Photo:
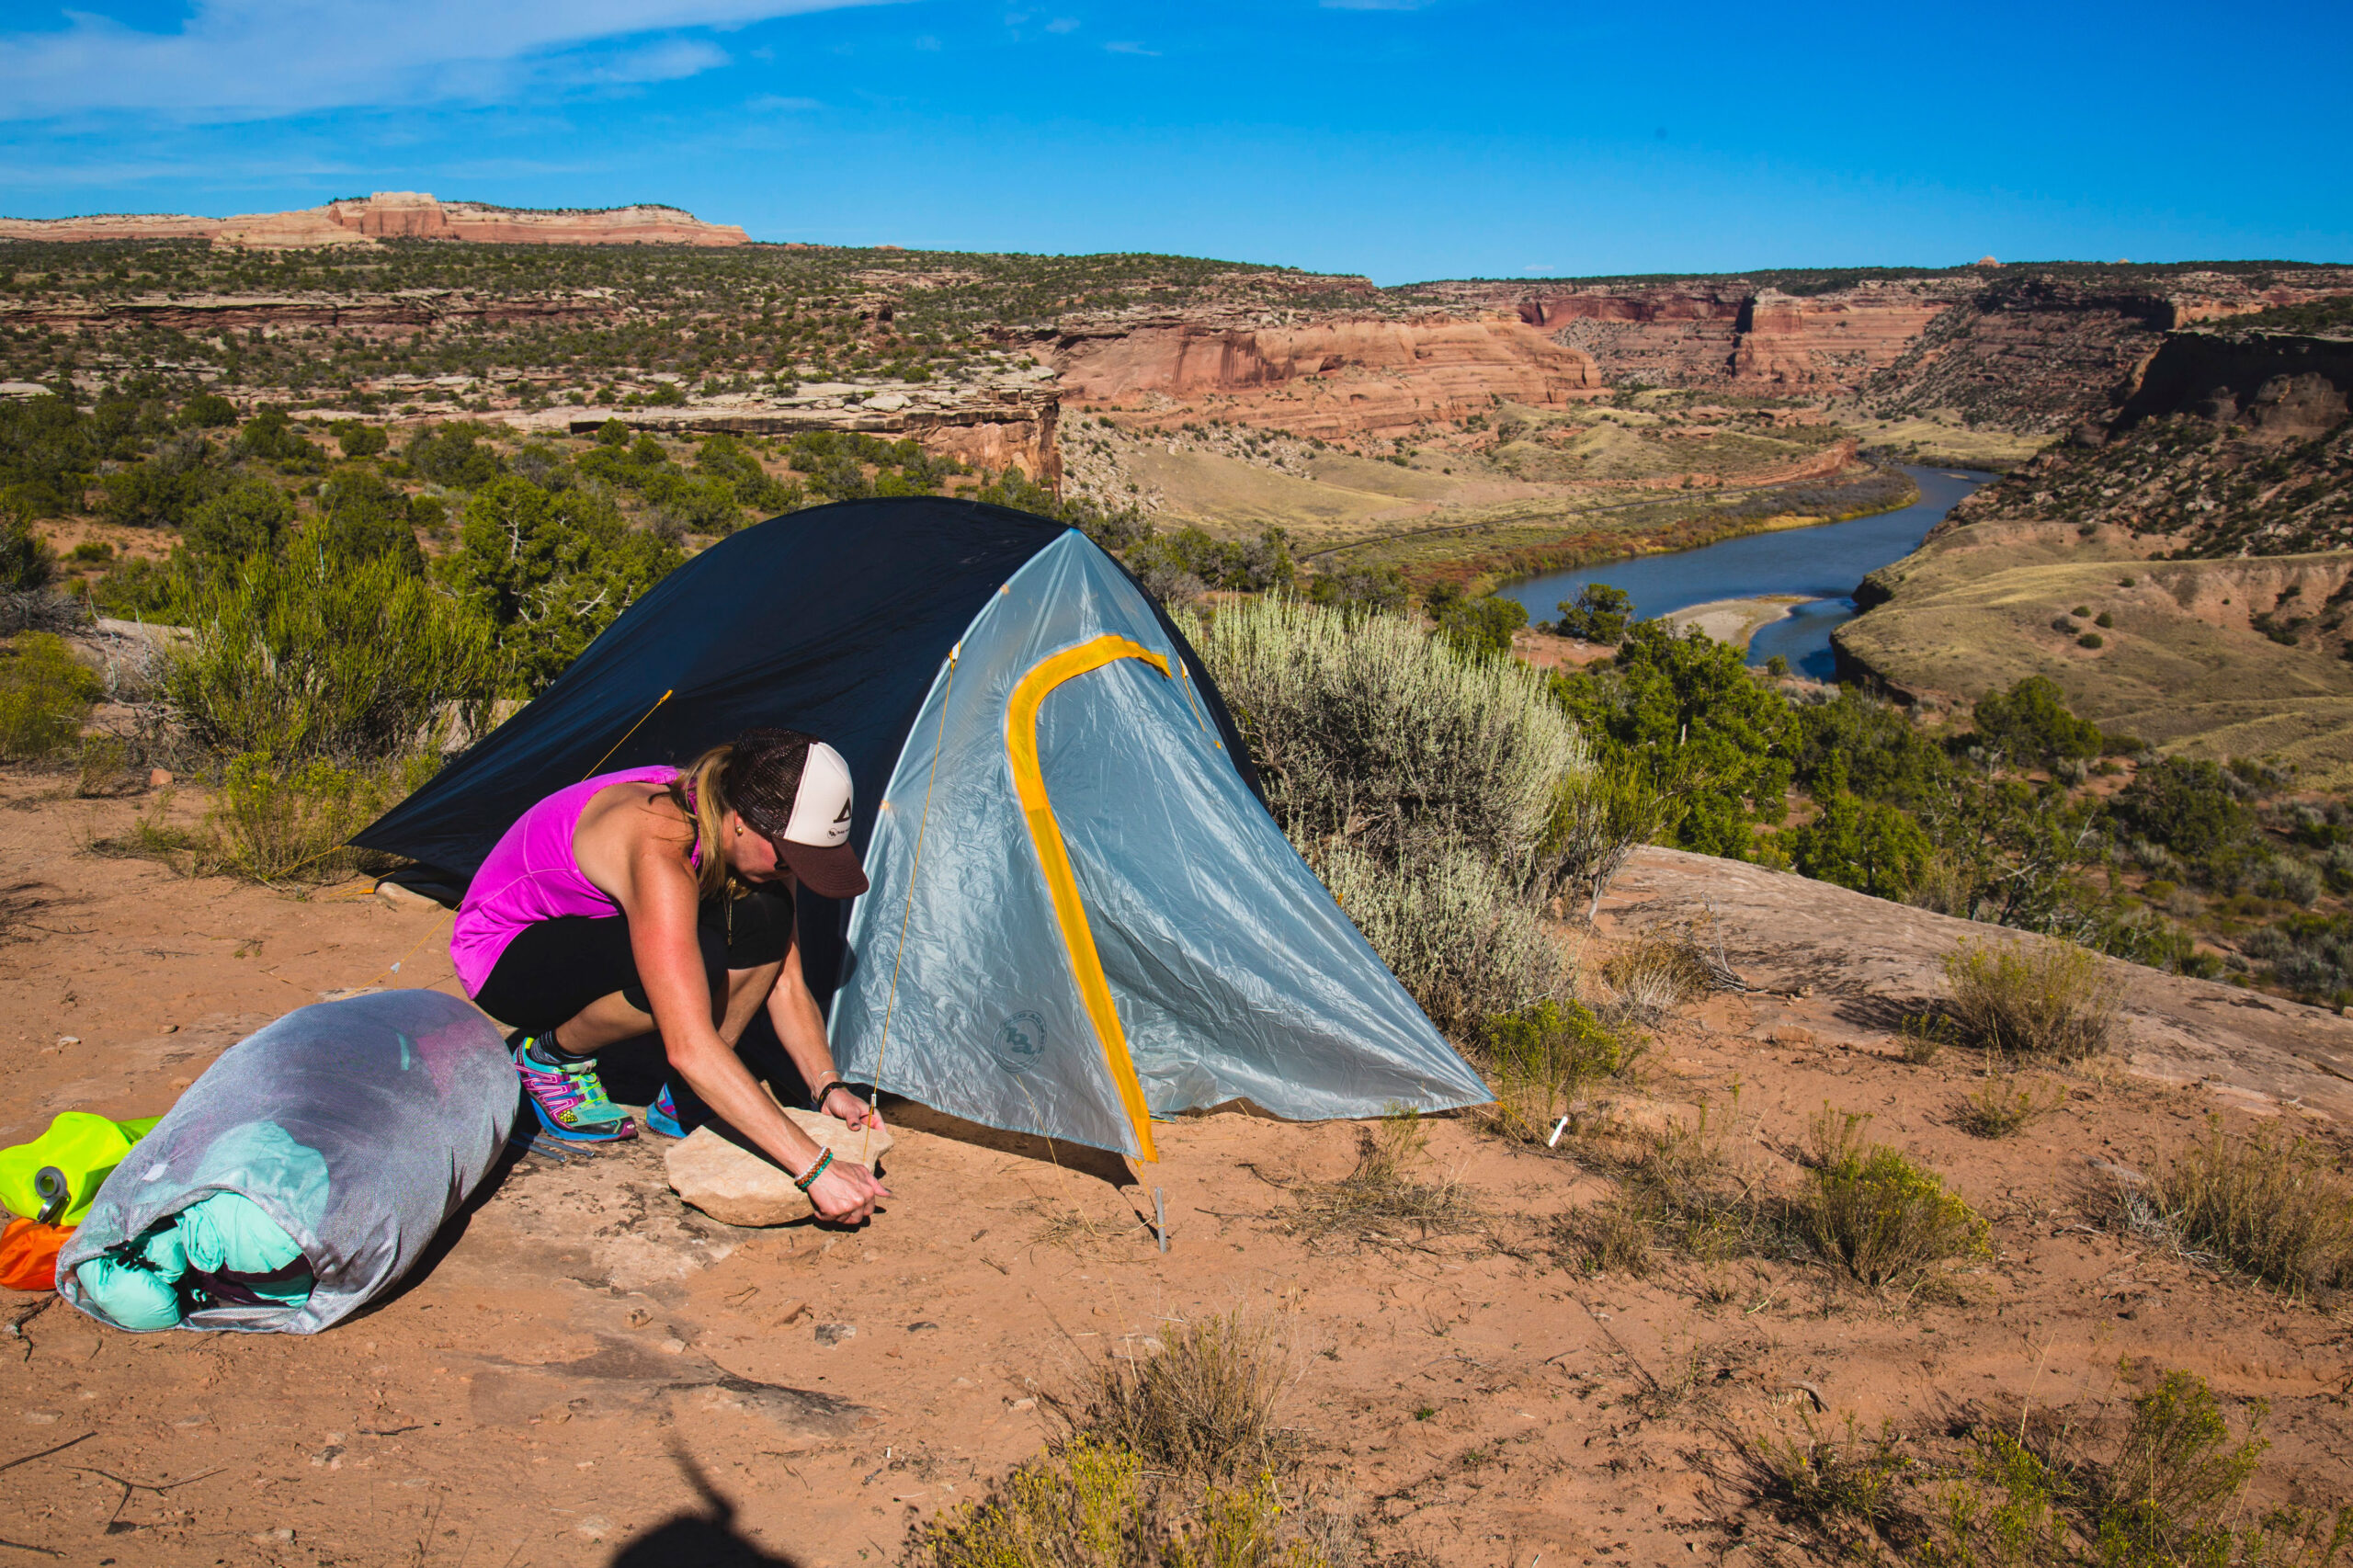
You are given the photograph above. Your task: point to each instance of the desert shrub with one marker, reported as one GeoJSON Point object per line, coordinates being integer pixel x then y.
{"type": "Point", "coordinates": [1600, 816]}
{"type": "Point", "coordinates": [1867, 846]}
{"type": "Point", "coordinates": [161, 491]}
{"type": "Point", "coordinates": [1205, 1404]}
{"type": "Point", "coordinates": [2188, 807]}
{"type": "Point", "coordinates": [2039, 998]}
{"type": "Point", "coordinates": [45, 697]}
{"type": "Point", "coordinates": [2310, 954]}
{"type": "Point", "coordinates": [1541, 1059]}
{"type": "Point", "coordinates": [1455, 935]}
{"type": "Point", "coordinates": [2286, 878]}
{"type": "Point", "coordinates": [1711, 736]}
{"type": "Point", "coordinates": [1833, 1485]}
{"type": "Point", "coordinates": [206, 411]}
{"type": "Point", "coordinates": [358, 440]}
{"type": "Point", "coordinates": [453, 455]}
{"type": "Point", "coordinates": [1419, 784]}
{"type": "Point", "coordinates": [249, 518]}
{"type": "Point", "coordinates": [309, 656]}
{"type": "Point", "coordinates": [270, 823]}
{"type": "Point", "coordinates": [2171, 1496]}
{"type": "Point", "coordinates": [2004, 1104]}
{"type": "Point", "coordinates": [2030, 723]}
{"type": "Point", "coordinates": [1093, 1504]}
{"type": "Point", "coordinates": [1922, 1037]}
{"type": "Point", "coordinates": [1599, 614]}
{"type": "Point", "coordinates": [1886, 1219]}
{"type": "Point", "coordinates": [1483, 627]}
{"type": "Point", "coordinates": [1351, 586]}
{"type": "Point", "coordinates": [549, 572]}
{"type": "Point", "coordinates": [2273, 1206]}
{"type": "Point", "coordinates": [1367, 732]}
{"type": "Point", "coordinates": [27, 563]}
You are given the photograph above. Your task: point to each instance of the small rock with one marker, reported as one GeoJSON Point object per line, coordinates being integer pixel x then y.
{"type": "Point", "coordinates": [69, 1039]}
{"type": "Point", "coordinates": [736, 1187]}
{"type": "Point", "coordinates": [920, 1328]}
{"type": "Point", "coordinates": [835, 1332]}
{"type": "Point", "coordinates": [160, 779]}
{"type": "Point", "coordinates": [170, 1028]}
{"type": "Point", "coordinates": [1789, 1034]}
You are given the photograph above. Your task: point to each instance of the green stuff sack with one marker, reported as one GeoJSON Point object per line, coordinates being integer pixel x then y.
{"type": "Point", "coordinates": [141, 1289]}
{"type": "Point", "coordinates": [82, 1149]}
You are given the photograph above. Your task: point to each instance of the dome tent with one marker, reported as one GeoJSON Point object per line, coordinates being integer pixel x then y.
{"type": "Point", "coordinates": [1081, 916]}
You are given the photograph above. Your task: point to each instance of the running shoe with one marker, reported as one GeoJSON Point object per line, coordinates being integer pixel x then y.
{"type": "Point", "coordinates": [570, 1098]}
{"type": "Point", "coordinates": [665, 1117]}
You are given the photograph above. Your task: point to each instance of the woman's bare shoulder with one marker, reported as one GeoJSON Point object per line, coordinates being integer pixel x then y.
{"type": "Point", "coordinates": [621, 818]}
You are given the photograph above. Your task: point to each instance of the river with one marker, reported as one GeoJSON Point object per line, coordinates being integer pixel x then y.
{"type": "Point", "coordinates": [1821, 564]}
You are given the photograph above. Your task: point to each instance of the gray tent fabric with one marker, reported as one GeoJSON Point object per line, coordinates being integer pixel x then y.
{"type": "Point", "coordinates": [1225, 968]}
{"type": "Point", "coordinates": [357, 1126]}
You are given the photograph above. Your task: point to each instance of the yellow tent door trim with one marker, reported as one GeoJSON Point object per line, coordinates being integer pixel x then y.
{"type": "Point", "coordinates": [1054, 856]}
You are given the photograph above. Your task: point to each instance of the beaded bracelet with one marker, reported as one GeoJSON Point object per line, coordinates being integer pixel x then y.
{"type": "Point", "coordinates": [805, 1182]}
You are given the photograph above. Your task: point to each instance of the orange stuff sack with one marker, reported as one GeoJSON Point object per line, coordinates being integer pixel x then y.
{"type": "Point", "coordinates": [28, 1254]}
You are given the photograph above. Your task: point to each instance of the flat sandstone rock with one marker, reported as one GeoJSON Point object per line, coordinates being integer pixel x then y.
{"type": "Point", "coordinates": [736, 1187]}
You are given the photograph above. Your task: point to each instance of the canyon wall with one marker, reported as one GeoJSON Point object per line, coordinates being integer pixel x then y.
{"type": "Point", "coordinates": [394, 215]}
{"type": "Point", "coordinates": [1341, 376]}
{"type": "Point", "coordinates": [2281, 386]}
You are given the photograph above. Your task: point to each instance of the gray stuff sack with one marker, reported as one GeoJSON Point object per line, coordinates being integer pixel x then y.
{"type": "Point", "coordinates": [406, 1096]}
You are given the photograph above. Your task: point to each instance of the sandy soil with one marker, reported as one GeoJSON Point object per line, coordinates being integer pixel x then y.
{"type": "Point", "coordinates": [593, 1374]}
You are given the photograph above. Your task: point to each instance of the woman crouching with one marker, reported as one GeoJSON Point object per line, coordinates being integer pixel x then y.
{"type": "Point", "coordinates": [607, 911]}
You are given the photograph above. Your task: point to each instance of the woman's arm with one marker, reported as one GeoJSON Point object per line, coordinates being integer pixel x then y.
{"type": "Point", "coordinates": [657, 894]}
{"type": "Point", "coordinates": [801, 1029]}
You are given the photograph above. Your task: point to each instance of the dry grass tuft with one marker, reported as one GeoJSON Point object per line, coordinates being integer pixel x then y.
{"type": "Point", "coordinates": [1201, 1402]}
{"type": "Point", "coordinates": [1886, 1219]}
{"type": "Point", "coordinates": [1609, 1237]}
{"type": "Point", "coordinates": [2273, 1206]}
{"type": "Point", "coordinates": [1658, 973]}
{"type": "Point", "coordinates": [2006, 1104]}
{"type": "Point", "coordinates": [1383, 1197]}
{"type": "Point", "coordinates": [2044, 998]}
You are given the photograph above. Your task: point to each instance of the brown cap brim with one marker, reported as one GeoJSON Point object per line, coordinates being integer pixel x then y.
{"type": "Point", "coordinates": [829, 872]}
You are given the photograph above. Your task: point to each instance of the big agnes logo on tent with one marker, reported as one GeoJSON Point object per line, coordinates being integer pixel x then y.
{"type": "Point", "coordinates": [1021, 1040]}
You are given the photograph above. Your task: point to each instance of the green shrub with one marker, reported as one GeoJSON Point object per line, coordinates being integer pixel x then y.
{"type": "Point", "coordinates": [1887, 1220]}
{"type": "Point", "coordinates": [2030, 723]}
{"type": "Point", "coordinates": [1541, 1059]}
{"type": "Point", "coordinates": [25, 561]}
{"type": "Point", "coordinates": [1093, 1504]}
{"type": "Point", "coordinates": [2091, 640]}
{"type": "Point", "coordinates": [2188, 806]}
{"type": "Point", "coordinates": [310, 656]}
{"type": "Point", "coordinates": [2273, 1206]}
{"type": "Point", "coordinates": [2044, 998]}
{"type": "Point", "coordinates": [271, 825]}
{"type": "Point", "coordinates": [45, 697]}
{"type": "Point", "coordinates": [1600, 816]}
{"type": "Point", "coordinates": [1599, 614]}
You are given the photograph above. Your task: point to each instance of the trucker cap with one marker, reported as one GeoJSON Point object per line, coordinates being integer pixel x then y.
{"type": "Point", "coordinates": [794, 790]}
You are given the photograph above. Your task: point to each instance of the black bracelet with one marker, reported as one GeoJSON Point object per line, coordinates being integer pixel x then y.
{"type": "Point", "coordinates": [817, 1101]}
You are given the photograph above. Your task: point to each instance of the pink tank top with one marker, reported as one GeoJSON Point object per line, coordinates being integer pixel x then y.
{"type": "Point", "coordinates": [531, 875]}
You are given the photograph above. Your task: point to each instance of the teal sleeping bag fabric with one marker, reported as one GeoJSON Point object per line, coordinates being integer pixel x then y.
{"type": "Point", "coordinates": [320, 1154]}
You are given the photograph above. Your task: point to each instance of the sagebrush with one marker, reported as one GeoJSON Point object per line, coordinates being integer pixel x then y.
{"type": "Point", "coordinates": [2039, 998]}
{"type": "Point", "coordinates": [2277, 1207]}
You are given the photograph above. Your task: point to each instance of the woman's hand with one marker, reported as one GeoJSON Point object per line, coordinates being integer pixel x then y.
{"type": "Point", "coordinates": [845, 1193]}
{"type": "Point", "coordinates": [840, 1102]}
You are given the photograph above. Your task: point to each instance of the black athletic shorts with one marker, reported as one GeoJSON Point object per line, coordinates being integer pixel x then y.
{"type": "Point", "coordinates": [555, 968]}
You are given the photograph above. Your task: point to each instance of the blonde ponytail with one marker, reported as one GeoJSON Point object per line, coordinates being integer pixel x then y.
{"type": "Point", "coordinates": [701, 792]}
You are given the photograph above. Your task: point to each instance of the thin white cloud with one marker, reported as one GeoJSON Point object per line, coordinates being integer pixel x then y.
{"type": "Point", "coordinates": [1063, 25]}
{"type": "Point", "coordinates": [1124, 47]}
{"type": "Point", "coordinates": [260, 59]}
{"type": "Point", "coordinates": [769, 103]}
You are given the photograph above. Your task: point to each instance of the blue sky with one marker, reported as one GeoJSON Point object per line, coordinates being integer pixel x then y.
{"type": "Point", "coordinates": [1444, 138]}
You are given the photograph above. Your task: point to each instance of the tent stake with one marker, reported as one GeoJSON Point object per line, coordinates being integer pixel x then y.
{"type": "Point", "coordinates": [1160, 1217]}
